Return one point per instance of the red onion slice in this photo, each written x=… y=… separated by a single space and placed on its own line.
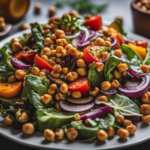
x=92 y=34
x=104 y=61
x=132 y=118
x=97 y=102
x=73 y=36
x=134 y=74
x=114 y=43
x=112 y=91
x=19 y=64
x=83 y=45
x=135 y=91
x=128 y=40
x=97 y=113
x=69 y=107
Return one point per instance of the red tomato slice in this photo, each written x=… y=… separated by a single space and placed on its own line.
x=29 y=56
x=19 y=55
x=89 y=58
x=81 y=84
x=95 y=23
x=52 y=20
x=40 y=63
x=142 y=43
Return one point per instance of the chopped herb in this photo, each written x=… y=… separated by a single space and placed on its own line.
x=62 y=76
x=27 y=71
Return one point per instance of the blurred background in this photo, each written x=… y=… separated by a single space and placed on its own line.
x=16 y=15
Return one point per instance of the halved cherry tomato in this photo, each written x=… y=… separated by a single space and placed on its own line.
x=19 y=55
x=40 y=63
x=120 y=38
x=29 y=56
x=142 y=43
x=88 y=57
x=81 y=84
x=95 y=23
x=52 y=20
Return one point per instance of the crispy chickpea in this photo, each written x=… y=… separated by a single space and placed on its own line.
x=52 y=10
x=51 y=62
x=65 y=70
x=44 y=57
x=77 y=117
x=72 y=133
x=47 y=26
x=14 y=40
x=64 y=88
x=146 y=98
x=53 y=37
x=28 y=128
x=74 y=13
x=126 y=122
x=20 y=74
x=103 y=98
x=107 y=43
x=55 y=75
x=79 y=55
x=102 y=135
x=49 y=135
x=42 y=74
x=131 y=129
x=25 y=26
x=51 y=92
x=69 y=93
x=46 y=99
x=95 y=91
x=58 y=60
x=145 y=109
x=144 y=68
x=105 y=86
x=53 y=52
x=35 y=71
x=11 y=79
x=71 y=76
x=57 y=106
x=53 y=58
x=73 y=51
x=146 y=119
x=99 y=66
x=59 y=134
x=48 y=41
x=45 y=31
x=58 y=54
x=43 y=70
x=22 y=116
x=37 y=8
x=99 y=42
x=82 y=71
x=115 y=84
x=116 y=74
x=46 y=51
x=8 y=121
x=57 y=68
x=67 y=47
x=110 y=131
x=122 y=67
x=53 y=86
x=123 y=133
x=2 y=26
x=124 y=74
x=118 y=53
x=119 y=118
x=76 y=94
x=60 y=33
x=81 y=63
x=16 y=47
x=104 y=55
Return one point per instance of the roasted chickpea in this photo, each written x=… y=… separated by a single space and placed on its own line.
x=99 y=66
x=44 y=57
x=81 y=63
x=28 y=128
x=67 y=47
x=95 y=91
x=122 y=67
x=74 y=13
x=72 y=133
x=145 y=109
x=76 y=94
x=69 y=93
x=59 y=134
x=47 y=41
x=2 y=26
x=60 y=33
x=146 y=119
x=11 y=79
x=115 y=84
x=14 y=40
x=146 y=98
x=53 y=86
x=104 y=55
x=119 y=118
x=105 y=86
x=2 y=19
x=79 y=55
x=64 y=88
x=37 y=8
x=116 y=74
x=111 y=132
x=86 y=121
x=102 y=135
x=43 y=70
x=123 y=133
x=58 y=60
x=126 y=122
x=49 y=135
x=73 y=51
x=144 y=68
x=35 y=71
x=103 y=98
x=65 y=70
x=57 y=106
x=118 y=53
x=124 y=74
x=20 y=74
x=108 y=43
x=70 y=76
x=25 y=26
x=57 y=68
x=42 y=74
x=131 y=129
x=16 y=47
x=46 y=31
x=53 y=52
x=52 y=10
x=99 y=42
x=51 y=92
x=46 y=51
x=21 y=116
x=55 y=75
x=77 y=117
x=82 y=71
x=8 y=121
x=46 y=99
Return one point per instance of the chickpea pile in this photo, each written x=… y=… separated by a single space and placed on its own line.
x=144 y=5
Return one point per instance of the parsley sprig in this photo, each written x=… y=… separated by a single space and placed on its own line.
x=66 y=21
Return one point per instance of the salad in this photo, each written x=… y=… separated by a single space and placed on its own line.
x=75 y=77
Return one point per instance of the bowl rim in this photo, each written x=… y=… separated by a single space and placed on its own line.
x=135 y=7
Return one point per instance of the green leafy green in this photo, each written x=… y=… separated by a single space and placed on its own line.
x=23 y=39
x=102 y=49
x=94 y=77
x=37 y=84
x=147 y=59
x=110 y=65
x=52 y=119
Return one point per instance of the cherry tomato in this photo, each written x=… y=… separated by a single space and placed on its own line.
x=95 y=23
x=142 y=43
x=52 y=20
x=40 y=63
x=88 y=57
x=29 y=56
x=19 y=55
x=81 y=84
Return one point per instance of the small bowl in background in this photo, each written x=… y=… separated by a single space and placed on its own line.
x=141 y=20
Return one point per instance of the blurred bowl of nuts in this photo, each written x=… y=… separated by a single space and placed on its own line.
x=141 y=17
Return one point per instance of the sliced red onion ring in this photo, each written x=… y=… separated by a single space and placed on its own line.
x=86 y=31
x=83 y=45
x=135 y=90
x=69 y=107
x=132 y=118
x=128 y=40
x=80 y=100
x=103 y=61
x=134 y=74
x=81 y=38
x=19 y=64
x=112 y=91
x=97 y=113
x=114 y=43
x=73 y=36
x=97 y=102
x=92 y=34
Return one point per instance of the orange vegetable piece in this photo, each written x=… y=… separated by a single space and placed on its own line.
x=139 y=49
x=9 y=90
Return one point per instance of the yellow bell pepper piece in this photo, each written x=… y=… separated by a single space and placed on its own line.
x=140 y=50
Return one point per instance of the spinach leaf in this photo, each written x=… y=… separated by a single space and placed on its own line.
x=110 y=64
x=52 y=119
x=37 y=84
x=94 y=77
x=131 y=57
x=23 y=39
